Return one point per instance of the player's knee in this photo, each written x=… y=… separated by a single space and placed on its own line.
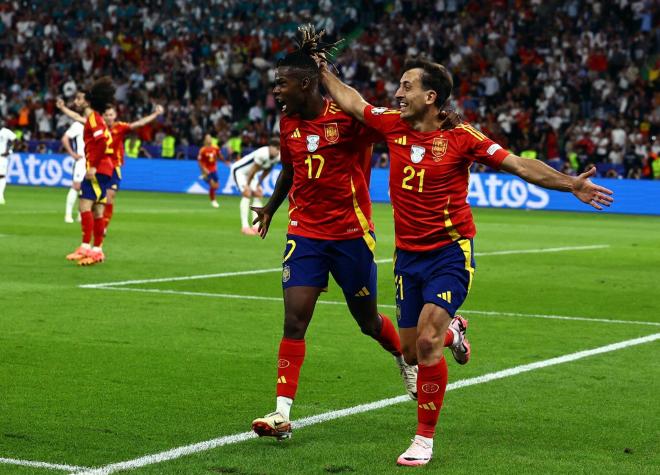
x=426 y=345
x=294 y=328
x=369 y=329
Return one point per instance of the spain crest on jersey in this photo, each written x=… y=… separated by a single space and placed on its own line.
x=439 y=148
x=331 y=132
x=417 y=153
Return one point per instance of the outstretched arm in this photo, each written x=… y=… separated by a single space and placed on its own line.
x=538 y=173
x=145 y=120
x=348 y=99
x=282 y=187
x=59 y=103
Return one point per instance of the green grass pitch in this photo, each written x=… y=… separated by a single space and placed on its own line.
x=91 y=377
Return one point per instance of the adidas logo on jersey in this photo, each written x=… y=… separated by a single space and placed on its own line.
x=446 y=296
x=333 y=108
x=296 y=134
x=401 y=140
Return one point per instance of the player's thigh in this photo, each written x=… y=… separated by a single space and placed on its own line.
x=353 y=268
x=449 y=276
x=240 y=178
x=79 y=170
x=304 y=263
x=408 y=284
x=299 y=303
x=94 y=189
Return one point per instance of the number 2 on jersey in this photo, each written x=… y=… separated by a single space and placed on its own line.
x=411 y=173
x=310 y=166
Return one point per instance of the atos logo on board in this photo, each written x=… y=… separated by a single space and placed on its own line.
x=36 y=169
x=500 y=191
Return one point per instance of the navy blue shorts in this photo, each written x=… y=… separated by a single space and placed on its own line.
x=115 y=180
x=95 y=188
x=211 y=176
x=442 y=277
x=308 y=262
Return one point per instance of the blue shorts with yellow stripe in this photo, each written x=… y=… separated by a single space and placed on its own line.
x=308 y=263
x=442 y=277
x=95 y=189
x=115 y=180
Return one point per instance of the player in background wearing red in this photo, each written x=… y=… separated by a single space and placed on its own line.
x=326 y=165
x=118 y=130
x=207 y=158
x=433 y=224
x=99 y=149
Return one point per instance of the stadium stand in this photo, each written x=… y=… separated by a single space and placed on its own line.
x=569 y=82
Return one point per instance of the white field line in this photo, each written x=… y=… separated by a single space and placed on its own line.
x=378 y=261
x=331 y=415
x=337 y=302
x=51 y=466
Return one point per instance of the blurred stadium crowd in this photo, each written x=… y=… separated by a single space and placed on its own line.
x=570 y=82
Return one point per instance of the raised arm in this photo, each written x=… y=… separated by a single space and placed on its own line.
x=538 y=173
x=347 y=98
x=145 y=120
x=73 y=115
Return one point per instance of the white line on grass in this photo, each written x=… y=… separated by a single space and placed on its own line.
x=336 y=302
x=328 y=416
x=52 y=466
x=378 y=261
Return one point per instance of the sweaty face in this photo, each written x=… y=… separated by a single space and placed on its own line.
x=110 y=115
x=288 y=90
x=412 y=98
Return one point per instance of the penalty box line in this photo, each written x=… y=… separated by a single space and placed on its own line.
x=378 y=261
x=182 y=451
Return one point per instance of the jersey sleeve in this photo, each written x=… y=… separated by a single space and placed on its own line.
x=481 y=148
x=97 y=127
x=261 y=157
x=381 y=119
x=122 y=129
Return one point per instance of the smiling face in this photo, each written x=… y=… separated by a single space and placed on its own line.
x=413 y=99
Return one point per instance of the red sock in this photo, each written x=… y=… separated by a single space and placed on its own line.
x=291 y=357
x=431 y=385
x=99 y=228
x=87 y=225
x=449 y=338
x=212 y=193
x=389 y=337
x=107 y=214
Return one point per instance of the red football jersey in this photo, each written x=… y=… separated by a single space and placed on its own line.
x=119 y=131
x=429 y=178
x=99 y=147
x=209 y=157
x=331 y=159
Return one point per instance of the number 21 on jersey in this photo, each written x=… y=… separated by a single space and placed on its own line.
x=409 y=173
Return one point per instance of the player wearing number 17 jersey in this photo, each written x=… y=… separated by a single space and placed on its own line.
x=432 y=220
x=325 y=157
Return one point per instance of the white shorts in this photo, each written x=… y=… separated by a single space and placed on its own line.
x=241 y=177
x=4 y=165
x=79 y=170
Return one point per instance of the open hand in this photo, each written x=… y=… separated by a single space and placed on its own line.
x=590 y=193
x=263 y=218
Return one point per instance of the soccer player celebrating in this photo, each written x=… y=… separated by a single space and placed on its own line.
x=245 y=170
x=100 y=153
x=74 y=144
x=207 y=158
x=326 y=165
x=434 y=262
x=118 y=130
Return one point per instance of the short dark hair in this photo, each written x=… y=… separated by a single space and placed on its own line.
x=435 y=77
x=274 y=142
x=101 y=95
x=301 y=60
